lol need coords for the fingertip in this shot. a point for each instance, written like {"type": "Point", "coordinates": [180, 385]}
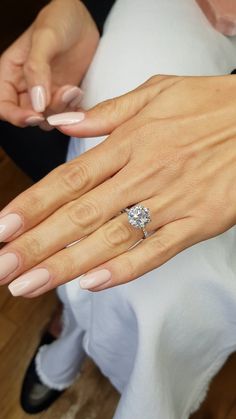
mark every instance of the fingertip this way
{"type": "Point", "coordinates": [38, 98]}
{"type": "Point", "coordinates": [66, 119]}
{"type": "Point", "coordinates": [45, 126]}
{"type": "Point", "coordinates": [33, 121]}
{"type": "Point", "coordinates": [72, 96]}
{"type": "Point", "coordinates": [19, 117]}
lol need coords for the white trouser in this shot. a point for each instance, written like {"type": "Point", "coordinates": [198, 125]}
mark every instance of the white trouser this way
{"type": "Point", "coordinates": [162, 338]}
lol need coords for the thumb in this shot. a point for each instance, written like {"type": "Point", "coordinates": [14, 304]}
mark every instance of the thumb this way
{"type": "Point", "coordinates": [108, 115]}
{"type": "Point", "coordinates": [37, 68]}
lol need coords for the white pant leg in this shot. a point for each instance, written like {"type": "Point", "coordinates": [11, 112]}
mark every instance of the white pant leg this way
{"type": "Point", "coordinates": [59, 363]}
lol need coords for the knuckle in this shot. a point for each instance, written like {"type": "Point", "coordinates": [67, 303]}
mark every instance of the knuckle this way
{"type": "Point", "coordinates": [113, 107]}
{"type": "Point", "coordinates": [31, 67]}
{"type": "Point", "coordinates": [131, 268]}
{"type": "Point", "coordinates": [75, 177]}
{"type": "Point", "coordinates": [107, 106]}
{"type": "Point", "coordinates": [68, 266]}
{"type": "Point", "coordinates": [85, 215]}
{"type": "Point", "coordinates": [30, 248]}
{"type": "Point", "coordinates": [116, 233]}
{"type": "Point", "coordinates": [159, 246]}
{"type": "Point", "coordinates": [31, 202]}
{"type": "Point", "coordinates": [153, 79]}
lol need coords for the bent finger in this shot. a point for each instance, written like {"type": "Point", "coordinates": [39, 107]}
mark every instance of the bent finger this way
{"type": "Point", "coordinates": [17, 116]}
{"type": "Point", "coordinates": [10, 107]}
{"type": "Point", "coordinates": [65, 98]}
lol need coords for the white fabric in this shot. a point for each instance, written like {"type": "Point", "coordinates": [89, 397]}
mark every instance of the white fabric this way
{"type": "Point", "coordinates": [58, 364]}
{"type": "Point", "coordinates": [161, 338]}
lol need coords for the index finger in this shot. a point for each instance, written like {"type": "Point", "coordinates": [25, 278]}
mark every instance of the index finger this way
{"type": "Point", "coordinates": [62, 185]}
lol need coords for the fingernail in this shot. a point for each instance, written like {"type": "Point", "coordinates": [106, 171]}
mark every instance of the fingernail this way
{"type": "Point", "coordinates": [69, 118]}
{"type": "Point", "coordinates": [95, 279]}
{"type": "Point", "coordinates": [72, 94]}
{"type": "Point", "coordinates": [29, 282]}
{"type": "Point", "coordinates": [9, 225]}
{"type": "Point", "coordinates": [74, 104]}
{"type": "Point", "coordinates": [33, 121]}
{"type": "Point", "coordinates": [38, 98]}
{"type": "Point", "coordinates": [8, 264]}
{"type": "Point", "coordinates": [44, 126]}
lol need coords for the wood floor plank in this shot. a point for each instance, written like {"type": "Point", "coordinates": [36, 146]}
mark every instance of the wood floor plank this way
{"type": "Point", "coordinates": [19, 309]}
{"type": "Point", "coordinates": [16, 355]}
{"type": "Point", "coordinates": [12, 180]}
{"type": "Point", "coordinates": [7, 330]}
{"type": "Point", "coordinates": [91, 397]}
{"type": "Point", "coordinates": [4, 296]}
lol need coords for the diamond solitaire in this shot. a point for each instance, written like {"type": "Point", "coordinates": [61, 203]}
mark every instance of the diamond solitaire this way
{"type": "Point", "coordinates": [139, 217]}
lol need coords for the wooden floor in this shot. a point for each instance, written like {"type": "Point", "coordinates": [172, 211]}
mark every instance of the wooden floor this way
{"type": "Point", "coordinates": [92, 396]}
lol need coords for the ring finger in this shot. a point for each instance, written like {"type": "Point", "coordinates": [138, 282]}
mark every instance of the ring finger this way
{"type": "Point", "coordinates": [112, 239]}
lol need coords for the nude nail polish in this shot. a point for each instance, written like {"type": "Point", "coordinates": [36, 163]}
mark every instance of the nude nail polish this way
{"type": "Point", "coordinates": [8, 264]}
{"type": "Point", "coordinates": [33, 121]}
{"type": "Point", "coordinates": [9, 225]}
{"type": "Point", "coordinates": [38, 98]}
{"type": "Point", "coordinates": [69, 118]}
{"type": "Point", "coordinates": [72, 94]}
{"type": "Point", "coordinates": [74, 104]}
{"type": "Point", "coordinates": [44, 126]}
{"type": "Point", "coordinates": [95, 279]}
{"type": "Point", "coordinates": [29, 282]}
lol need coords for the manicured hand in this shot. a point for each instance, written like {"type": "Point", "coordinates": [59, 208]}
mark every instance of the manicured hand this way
{"type": "Point", "coordinates": [40, 72]}
{"type": "Point", "coordinates": [171, 149]}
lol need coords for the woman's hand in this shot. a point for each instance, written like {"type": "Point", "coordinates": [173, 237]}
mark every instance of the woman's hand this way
{"type": "Point", "coordinates": [172, 149]}
{"type": "Point", "coordinates": [41, 70]}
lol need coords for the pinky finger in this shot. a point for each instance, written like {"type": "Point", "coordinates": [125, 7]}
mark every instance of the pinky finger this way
{"type": "Point", "coordinates": [150, 254]}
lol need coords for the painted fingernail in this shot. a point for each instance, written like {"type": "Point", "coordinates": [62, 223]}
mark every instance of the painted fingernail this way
{"type": "Point", "coordinates": [72, 94]}
{"type": "Point", "coordinates": [76, 102]}
{"type": "Point", "coordinates": [44, 126]}
{"type": "Point", "coordinates": [95, 279]}
{"type": "Point", "coordinates": [29, 282]}
{"type": "Point", "coordinates": [8, 264]}
{"type": "Point", "coordinates": [38, 98]}
{"type": "Point", "coordinates": [69, 118]}
{"type": "Point", "coordinates": [33, 121]}
{"type": "Point", "coordinates": [9, 225]}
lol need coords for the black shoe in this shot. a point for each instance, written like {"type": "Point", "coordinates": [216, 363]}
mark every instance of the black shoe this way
{"type": "Point", "coordinates": [35, 396]}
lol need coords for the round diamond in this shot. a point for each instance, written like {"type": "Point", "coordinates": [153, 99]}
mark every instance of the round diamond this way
{"type": "Point", "coordinates": [139, 216]}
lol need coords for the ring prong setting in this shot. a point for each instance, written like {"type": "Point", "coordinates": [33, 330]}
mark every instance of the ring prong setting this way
{"type": "Point", "coordinates": [139, 216]}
